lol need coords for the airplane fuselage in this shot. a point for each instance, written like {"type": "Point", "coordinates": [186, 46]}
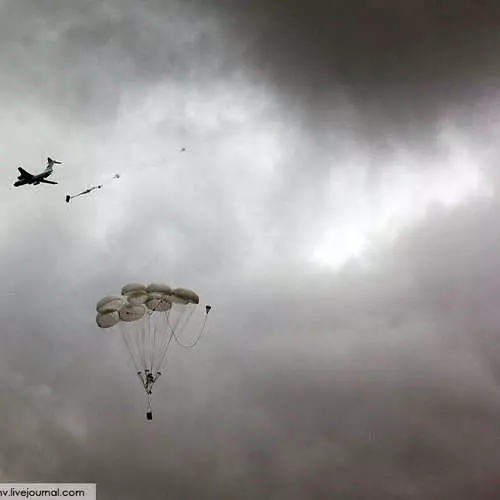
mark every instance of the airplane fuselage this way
{"type": "Point", "coordinates": [38, 178]}
{"type": "Point", "coordinates": [35, 180]}
{"type": "Point", "coordinates": [27, 178]}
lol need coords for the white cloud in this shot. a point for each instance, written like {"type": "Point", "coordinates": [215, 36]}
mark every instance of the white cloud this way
{"type": "Point", "coordinates": [364, 216]}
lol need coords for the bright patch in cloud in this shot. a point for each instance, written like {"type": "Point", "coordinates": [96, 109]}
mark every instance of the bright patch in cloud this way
{"type": "Point", "coordinates": [367, 215]}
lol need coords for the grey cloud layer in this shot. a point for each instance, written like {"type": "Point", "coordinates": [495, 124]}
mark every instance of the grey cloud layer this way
{"type": "Point", "coordinates": [372, 384]}
{"type": "Point", "coordinates": [81, 57]}
{"type": "Point", "coordinates": [401, 66]}
{"type": "Point", "coordinates": [377, 382]}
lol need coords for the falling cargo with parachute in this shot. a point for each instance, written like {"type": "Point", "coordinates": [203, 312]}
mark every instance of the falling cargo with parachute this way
{"type": "Point", "coordinates": [148, 319]}
{"type": "Point", "coordinates": [90, 189]}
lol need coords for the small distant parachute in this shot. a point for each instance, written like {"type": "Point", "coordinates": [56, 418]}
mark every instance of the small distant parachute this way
{"type": "Point", "coordinates": [148, 318]}
{"type": "Point", "coordinates": [89, 190]}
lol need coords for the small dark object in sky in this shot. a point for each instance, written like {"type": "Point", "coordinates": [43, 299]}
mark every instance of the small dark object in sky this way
{"type": "Point", "coordinates": [89, 190]}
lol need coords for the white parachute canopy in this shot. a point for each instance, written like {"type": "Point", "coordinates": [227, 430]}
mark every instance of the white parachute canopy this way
{"type": "Point", "coordinates": [148, 318]}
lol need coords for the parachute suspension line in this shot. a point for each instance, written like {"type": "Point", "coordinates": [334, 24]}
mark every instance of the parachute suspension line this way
{"type": "Point", "coordinates": [178, 317]}
{"type": "Point", "coordinates": [143, 334]}
{"type": "Point", "coordinates": [154, 345]}
{"type": "Point", "coordinates": [154, 337]}
{"type": "Point", "coordinates": [153, 334]}
{"type": "Point", "coordinates": [161, 342]}
{"type": "Point", "coordinates": [151, 340]}
{"type": "Point", "coordinates": [163, 352]}
{"type": "Point", "coordinates": [172, 329]}
{"type": "Point", "coordinates": [138, 338]}
{"type": "Point", "coordinates": [141, 338]}
{"type": "Point", "coordinates": [198, 338]}
{"type": "Point", "coordinates": [145, 343]}
{"type": "Point", "coordinates": [181, 324]}
{"type": "Point", "coordinates": [90, 189]}
{"type": "Point", "coordinates": [129, 346]}
{"type": "Point", "coordinates": [133, 346]}
{"type": "Point", "coordinates": [163, 358]}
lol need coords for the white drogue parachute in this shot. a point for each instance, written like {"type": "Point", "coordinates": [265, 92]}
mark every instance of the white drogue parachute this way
{"type": "Point", "coordinates": [149, 318]}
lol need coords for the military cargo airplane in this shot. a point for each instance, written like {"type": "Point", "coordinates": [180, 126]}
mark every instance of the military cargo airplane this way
{"type": "Point", "coordinates": [27, 178]}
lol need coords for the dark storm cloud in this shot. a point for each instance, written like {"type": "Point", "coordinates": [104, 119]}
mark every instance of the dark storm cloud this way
{"type": "Point", "coordinates": [80, 57]}
{"type": "Point", "coordinates": [381, 70]}
{"type": "Point", "coordinates": [308, 385]}
{"type": "Point", "coordinates": [400, 66]}
{"type": "Point", "coordinates": [369, 382]}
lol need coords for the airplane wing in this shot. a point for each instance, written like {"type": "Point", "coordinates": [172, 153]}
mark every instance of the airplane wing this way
{"type": "Point", "coordinates": [24, 174]}
{"type": "Point", "coordinates": [48, 182]}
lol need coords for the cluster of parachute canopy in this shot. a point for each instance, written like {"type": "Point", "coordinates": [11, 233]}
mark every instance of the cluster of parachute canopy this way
{"type": "Point", "coordinates": [149, 318]}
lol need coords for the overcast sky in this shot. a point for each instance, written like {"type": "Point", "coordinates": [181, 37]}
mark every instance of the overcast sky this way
{"type": "Point", "coordinates": [336, 204]}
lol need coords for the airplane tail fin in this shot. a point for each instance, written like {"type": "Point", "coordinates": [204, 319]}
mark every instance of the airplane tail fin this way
{"type": "Point", "coordinates": [50, 161]}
